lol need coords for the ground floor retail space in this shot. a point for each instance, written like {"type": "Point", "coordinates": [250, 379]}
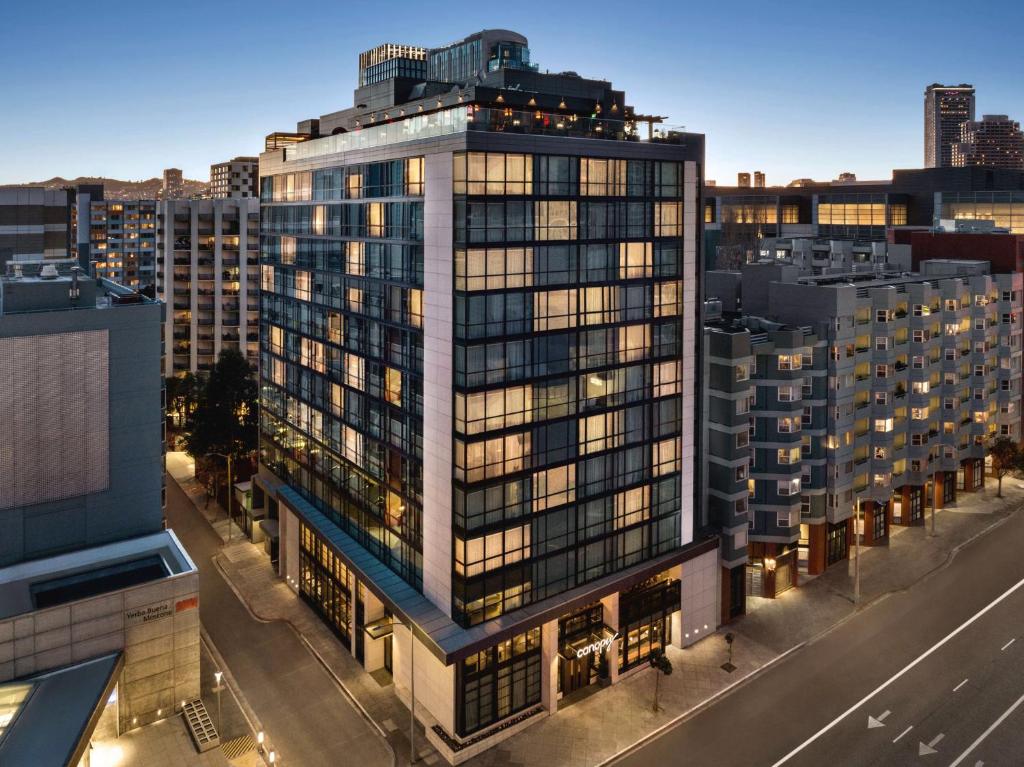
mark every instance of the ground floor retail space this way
{"type": "Point", "coordinates": [487, 690]}
{"type": "Point", "coordinates": [774, 568]}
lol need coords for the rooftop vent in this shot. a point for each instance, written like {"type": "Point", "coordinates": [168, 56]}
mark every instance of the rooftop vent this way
{"type": "Point", "coordinates": [48, 272]}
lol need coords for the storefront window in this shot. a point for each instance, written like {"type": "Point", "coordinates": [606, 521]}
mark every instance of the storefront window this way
{"type": "Point", "coordinates": [645, 620]}
{"type": "Point", "coordinates": [323, 583]}
{"type": "Point", "coordinates": [499, 681]}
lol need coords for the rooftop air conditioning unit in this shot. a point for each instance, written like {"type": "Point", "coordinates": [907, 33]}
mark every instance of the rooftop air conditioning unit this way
{"type": "Point", "coordinates": [48, 272]}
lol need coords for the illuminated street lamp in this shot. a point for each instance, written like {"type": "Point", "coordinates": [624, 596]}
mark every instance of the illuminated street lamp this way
{"type": "Point", "coordinates": [218, 676]}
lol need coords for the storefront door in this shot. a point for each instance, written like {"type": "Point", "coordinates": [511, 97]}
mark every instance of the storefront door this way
{"type": "Point", "coordinates": [576, 673]}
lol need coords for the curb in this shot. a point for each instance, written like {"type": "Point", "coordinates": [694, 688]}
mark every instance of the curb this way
{"type": "Point", "coordinates": [312, 650]}
{"type": "Point", "coordinates": [215, 561]}
{"type": "Point", "coordinates": [248, 713]}
{"type": "Point", "coordinates": [695, 709]}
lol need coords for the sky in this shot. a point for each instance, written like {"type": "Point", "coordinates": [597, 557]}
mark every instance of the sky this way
{"type": "Point", "coordinates": [796, 89]}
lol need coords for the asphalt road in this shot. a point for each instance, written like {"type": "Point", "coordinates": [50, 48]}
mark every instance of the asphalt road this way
{"type": "Point", "coordinates": [310, 722]}
{"type": "Point", "coordinates": [940, 666]}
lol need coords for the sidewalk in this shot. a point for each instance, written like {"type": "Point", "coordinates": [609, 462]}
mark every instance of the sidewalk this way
{"type": "Point", "coordinates": [816, 605]}
{"type": "Point", "coordinates": [598, 727]}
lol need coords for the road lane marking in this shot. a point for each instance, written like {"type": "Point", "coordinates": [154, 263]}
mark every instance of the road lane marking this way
{"type": "Point", "coordinates": [925, 749]}
{"type": "Point", "coordinates": [988, 732]}
{"type": "Point", "coordinates": [960, 685]}
{"type": "Point", "coordinates": [900, 673]}
{"type": "Point", "coordinates": [878, 721]}
{"type": "Point", "coordinates": [1007, 644]}
{"type": "Point", "coordinates": [903, 733]}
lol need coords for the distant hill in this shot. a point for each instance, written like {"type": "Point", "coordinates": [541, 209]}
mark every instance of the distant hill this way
{"type": "Point", "coordinates": [115, 189]}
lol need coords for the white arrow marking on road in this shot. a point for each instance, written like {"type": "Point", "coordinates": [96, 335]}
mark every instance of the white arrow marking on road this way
{"type": "Point", "coordinates": [903, 733]}
{"type": "Point", "coordinates": [1007, 644]}
{"type": "Point", "coordinates": [878, 721]}
{"type": "Point", "coordinates": [905, 670]}
{"type": "Point", "coordinates": [960, 685]}
{"type": "Point", "coordinates": [923, 749]}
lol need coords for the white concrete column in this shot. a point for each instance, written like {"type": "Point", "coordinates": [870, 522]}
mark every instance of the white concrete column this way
{"type": "Point", "coordinates": [438, 283]}
{"type": "Point", "coordinates": [549, 666]}
{"type": "Point", "coordinates": [610, 610]}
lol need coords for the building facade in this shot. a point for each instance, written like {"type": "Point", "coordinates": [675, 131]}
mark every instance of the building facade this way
{"type": "Point", "coordinates": [478, 342]}
{"type": "Point", "coordinates": [34, 224]}
{"type": "Point", "coordinates": [995, 141]}
{"type": "Point", "coordinates": [207, 274]}
{"type": "Point", "coordinates": [174, 184]}
{"type": "Point", "coordinates": [87, 569]}
{"type": "Point", "coordinates": [946, 109]}
{"type": "Point", "coordinates": [239, 177]}
{"type": "Point", "coordinates": [851, 394]}
{"type": "Point", "coordinates": [118, 239]}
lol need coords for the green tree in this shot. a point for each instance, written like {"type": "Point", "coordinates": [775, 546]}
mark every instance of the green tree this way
{"type": "Point", "coordinates": [225, 417]}
{"type": "Point", "coordinates": [1006, 456]}
{"type": "Point", "coordinates": [662, 667]}
{"type": "Point", "coordinates": [182, 396]}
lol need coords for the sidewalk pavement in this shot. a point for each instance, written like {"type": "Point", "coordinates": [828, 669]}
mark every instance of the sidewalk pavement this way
{"type": "Point", "coordinates": [598, 727]}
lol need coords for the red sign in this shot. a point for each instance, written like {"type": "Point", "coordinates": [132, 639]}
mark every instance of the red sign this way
{"type": "Point", "coordinates": [186, 604]}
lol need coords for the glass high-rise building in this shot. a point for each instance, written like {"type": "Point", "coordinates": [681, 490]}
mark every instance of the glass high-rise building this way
{"type": "Point", "coordinates": [478, 325]}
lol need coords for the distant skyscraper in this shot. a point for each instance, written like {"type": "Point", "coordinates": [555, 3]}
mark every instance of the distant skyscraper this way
{"type": "Point", "coordinates": [116, 239]}
{"type": "Point", "coordinates": [946, 108]}
{"type": "Point", "coordinates": [174, 184]}
{"type": "Point", "coordinates": [235, 178]}
{"type": "Point", "coordinates": [995, 141]}
{"type": "Point", "coordinates": [743, 179]}
{"type": "Point", "coordinates": [759, 179]}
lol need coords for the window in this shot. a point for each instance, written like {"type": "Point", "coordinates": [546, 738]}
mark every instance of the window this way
{"type": "Point", "coordinates": [787, 487]}
{"type": "Point", "coordinates": [788, 425]}
{"type": "Point", "coordinates": [788, 455]}
{"type": "Point", "coordinates": [788, 393]}
{"type": "Point", "coordinates": [918, 362]}
{"type": "Point", "coordinates": [882, 342]}
{"type": "Point", "coordinates": [881, 397]}
{"type": "Point", "coordinates": [499, 681]}
{"type": "Point", "coordinates": [555, 219]}
{"type": "Point", "coordinates": [790, 362]}
{"type": "Point", "coordinates": [742, 372]}
{"type": "Point", "coordinates": [883, 424]}
{"type": "Point", "coordinates": [919, 413]}
{"type": "Point", "coordinates": [883, 315]}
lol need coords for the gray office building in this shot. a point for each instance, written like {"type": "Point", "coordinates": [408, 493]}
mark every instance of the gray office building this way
{"type": "Point", "coordinates": [98, 602]}
{"type": "Point", "coordinates": [34, 224]}
{"type": "Point", "coordinates": [479, 332]}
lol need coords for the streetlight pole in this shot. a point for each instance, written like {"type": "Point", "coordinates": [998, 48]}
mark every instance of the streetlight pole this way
{"type": "Point", "coordinates": [412, 695]}
{"type": "Point", "coordinates": [231, 491]}
{"type": "Point", "coordinates": [856, 543]}
{"type": "Point", "coordinates": [218, 676]}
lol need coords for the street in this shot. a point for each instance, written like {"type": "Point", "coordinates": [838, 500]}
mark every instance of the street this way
{"type": "Point", "coordinates": [306, 716]}
{"type": "Point", "coordinates": [933, 674]}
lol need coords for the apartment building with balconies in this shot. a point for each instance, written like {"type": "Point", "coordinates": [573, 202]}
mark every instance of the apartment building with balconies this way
{"type": "Point", "coordinates": [116, 239]}
{"type": "Point", "coordinates": [869, 394]}
{"type": "Point", "coordinates": [207, 274]}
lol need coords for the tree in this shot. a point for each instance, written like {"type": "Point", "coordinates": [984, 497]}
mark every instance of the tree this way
{"type": "Point", "coordinates": [662, 666]}
{"type": "Point", "coordinates": [182, 397]}
{"type": "Point", "coordinates": [1006, 456]}
{"type": "Point", "coordinates": [225, 418]}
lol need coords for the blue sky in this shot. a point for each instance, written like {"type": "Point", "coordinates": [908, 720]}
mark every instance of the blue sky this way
{"type": "Point", "coordinates": [797, 89]}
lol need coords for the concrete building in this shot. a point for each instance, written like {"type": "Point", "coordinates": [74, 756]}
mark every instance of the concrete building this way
{"type": "Point", "coordinates": [34, 224]}
{"type": "Point", "coordinates": [239, 177]}
{"type": "Point", "coordinates": [207, 274]}
{"type": "Point", "coordinates": [836, 395]}
{"type": "Point", "coordinates": [116, 239]}
{"type": "Point", "coordinates": [995, 141]}
{"type": "Point", "coordinates": [174, 184]}
{"type": "Point", "coordinates": [946, 109]}
{"type": "Point", "coordinates": [89, 579]}
{"type": "Point", "coordinates": [479, 338]}
{"type": "Point", "coordinates": [737, 218]}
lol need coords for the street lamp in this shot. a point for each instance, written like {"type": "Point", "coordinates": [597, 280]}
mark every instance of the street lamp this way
{"type": "Point", "coordinates": [272, 757]}
{"type": "Point", "coordinates": [230, 490]}
{"type": "Point", "coordinates": [856, 560]}
{"type": "Point", "coordinates": [259, 741]}
{"type": "Point", "coordinates": [218, 676]}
